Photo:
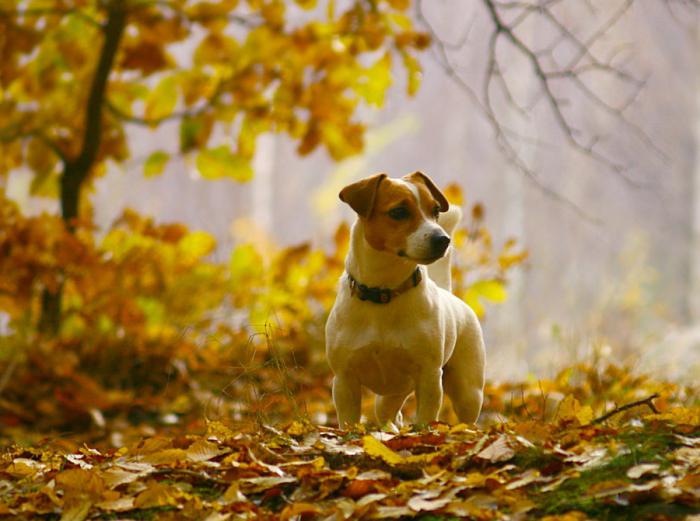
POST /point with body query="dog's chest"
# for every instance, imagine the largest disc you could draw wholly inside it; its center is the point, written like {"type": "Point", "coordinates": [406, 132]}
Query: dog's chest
{"type": "Point", "coordinates": [384, 348]}
{"type": "Point", "coordinates": [385, 368]}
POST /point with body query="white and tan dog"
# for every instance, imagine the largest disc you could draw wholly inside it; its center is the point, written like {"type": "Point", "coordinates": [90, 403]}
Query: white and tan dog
{"type": "Point", "coordinates": [393, 329]}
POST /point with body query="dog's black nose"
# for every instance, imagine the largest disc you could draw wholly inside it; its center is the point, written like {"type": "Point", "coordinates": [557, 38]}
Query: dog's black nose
{"type": "Point", "coordinates": [439, 243]}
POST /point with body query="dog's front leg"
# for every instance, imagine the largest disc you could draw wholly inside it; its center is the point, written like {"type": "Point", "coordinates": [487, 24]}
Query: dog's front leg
{"type": "Point", "coordinates": [428, 396]}
{"type": "Point", "coordinates": [347, 398]}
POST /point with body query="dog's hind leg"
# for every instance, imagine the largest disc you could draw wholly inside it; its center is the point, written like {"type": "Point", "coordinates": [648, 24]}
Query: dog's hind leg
{"type": "Point", "coordinates": [388, 408]}
{"type": "Point", "coordinates": [463, 377]}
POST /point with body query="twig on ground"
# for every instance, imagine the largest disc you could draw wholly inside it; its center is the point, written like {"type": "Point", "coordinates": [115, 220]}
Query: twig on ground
{"type": "Point", "coordinates": [617, 410]}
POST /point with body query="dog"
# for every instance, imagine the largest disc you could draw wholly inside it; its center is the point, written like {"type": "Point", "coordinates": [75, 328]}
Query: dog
{"type": "Point", "coordinates": [395, 326]}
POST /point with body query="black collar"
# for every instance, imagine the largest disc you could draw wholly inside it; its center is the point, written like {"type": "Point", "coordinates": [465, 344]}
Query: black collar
{"type": "Point", "coordinates": [383, 295]}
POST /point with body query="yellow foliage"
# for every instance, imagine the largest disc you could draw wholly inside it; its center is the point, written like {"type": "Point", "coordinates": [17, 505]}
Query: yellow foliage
{"type": "Point", "coordinates": [374, 447]}
{"type": "Point", "coordinates": [305, 79]}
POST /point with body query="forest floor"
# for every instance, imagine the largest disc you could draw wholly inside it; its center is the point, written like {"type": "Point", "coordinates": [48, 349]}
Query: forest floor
{"type": "Point", "coordinates": [601, 445]}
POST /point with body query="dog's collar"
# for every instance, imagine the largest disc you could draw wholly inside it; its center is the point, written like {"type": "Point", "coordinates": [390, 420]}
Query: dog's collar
{"type": "Point", "coordinates": [383, 295]}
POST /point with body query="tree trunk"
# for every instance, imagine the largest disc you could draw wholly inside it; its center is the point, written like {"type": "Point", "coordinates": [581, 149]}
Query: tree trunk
{"type": "Point", "coordinates": [75, 171]}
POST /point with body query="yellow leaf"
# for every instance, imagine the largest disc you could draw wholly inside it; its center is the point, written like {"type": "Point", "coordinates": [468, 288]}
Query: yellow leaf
{"type": "Point", "coordinates": [155, 164]}
{"type": "Point", "coordinates": [161, 101]}
{"type": "Point", "coordinates": [219, 431]}
{"type": "Point", "coordinates": [472, 300]}
{"type": "Point", "coordinates": [215, 163]}
{"type": "Point", "coordinates": [399, 4]}
{"type": "Point", "coordinates": [246, 264]}
{"type": "Point", "coordinates": [77, 512]}
{"type": "Point", "coordinates": [454, 194]}
{"type": "Point", "coordinates": [491, 290]}
{"type": "Point", "coordinates": [414, 73]}
{"type": "Point", "coordinates": [23, 467]}
{"type": "Point", "coordinates": [164, 456]}
{"type": "Point", "coordinates": [45, 185]}
{"type": "Point", "coordinates": [215, 48]}
{"type": "Point", "coordinates": [571, 409]}
{"type": "Point", "coordinates": [374, 447]}
{"type": "Point", "coordinates": [505, 261]}
{"type": "Point", "coordinates": [157, 495]}
{"type": "Point", "coordinates": [196, 245]}
{"type": "Point", "coordinates": [678, 415]}
{"type": "Point", "coordinates": [373, 84]}
{"type": "Point", "coordinates": [306, 4]}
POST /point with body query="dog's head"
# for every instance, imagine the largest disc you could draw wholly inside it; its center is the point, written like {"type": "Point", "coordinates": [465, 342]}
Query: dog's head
{"type": "Point", "coordinates": [400, 216]}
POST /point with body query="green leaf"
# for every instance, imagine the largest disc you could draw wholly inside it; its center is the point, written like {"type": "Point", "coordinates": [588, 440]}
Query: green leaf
{"type": "Point", "coordinates": [155, 164]}
{"type": "Point", "coordinates": [219, 162]}
{"type": "Point", "coordinates": [161, 101]}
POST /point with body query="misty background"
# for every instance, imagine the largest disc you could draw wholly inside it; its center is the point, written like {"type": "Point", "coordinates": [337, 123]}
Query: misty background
{"type": "Point", "coordinates": [614, 266]}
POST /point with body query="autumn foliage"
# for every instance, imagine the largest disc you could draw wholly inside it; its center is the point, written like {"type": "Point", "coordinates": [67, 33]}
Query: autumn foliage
{"type": "Point", "coordinates": [133, 334]}
{"type": "Point", "coordinates": [252, 67]}
{"type": "Point", "coordinates": [560, 463]}
{"type": "Point", "coordinates": [171, 386]}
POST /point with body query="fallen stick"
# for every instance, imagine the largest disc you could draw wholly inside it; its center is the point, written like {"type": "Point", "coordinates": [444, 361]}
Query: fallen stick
{"type": "Point", "coordinates": [646, 401]}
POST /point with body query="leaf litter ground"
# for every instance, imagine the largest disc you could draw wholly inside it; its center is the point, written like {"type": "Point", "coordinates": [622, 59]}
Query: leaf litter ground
{"type": "Point", "coordinates": [634, 463]}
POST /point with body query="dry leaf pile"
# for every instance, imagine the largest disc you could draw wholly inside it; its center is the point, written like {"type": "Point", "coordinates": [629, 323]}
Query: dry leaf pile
{"type": "Point", "coordinates": [570, 469]}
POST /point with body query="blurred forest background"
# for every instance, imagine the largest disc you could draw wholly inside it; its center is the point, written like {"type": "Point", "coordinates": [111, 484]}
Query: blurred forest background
{"type": "Point", "coordinates": [571, 126]}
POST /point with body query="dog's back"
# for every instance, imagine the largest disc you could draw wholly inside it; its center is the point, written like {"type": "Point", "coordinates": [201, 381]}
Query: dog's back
{"type": "Point", "coordinates": [440, 271]}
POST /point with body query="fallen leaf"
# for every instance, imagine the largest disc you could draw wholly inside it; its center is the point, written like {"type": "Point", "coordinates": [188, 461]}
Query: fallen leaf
{"type": "Point", "coordinates": [638, 471]}
{"type": "Point", "coordinates": [255, 485]}
{"type": "Point", "coordinates": [203, 450]}
{"type": "Point", "coordinates": [23, 467]}
{"type": "Point", "coordinates": [374, 447]}
{"type": "Point", "coordinates": [497, 451]}
{"type": "Point", "coordinates": [77, 512]}
{"type": "Point", "coordinates": [428, 502]}
{"type": "Point", "coordinates": [157, 495]}
{"type": "Point", "coordinates": [122, 504]}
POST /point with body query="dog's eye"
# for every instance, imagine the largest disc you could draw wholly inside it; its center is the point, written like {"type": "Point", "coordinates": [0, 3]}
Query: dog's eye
{"type": "Point", "coordinates": [436, 211]}
{"type": "Point", "coordinates": [399, 213]}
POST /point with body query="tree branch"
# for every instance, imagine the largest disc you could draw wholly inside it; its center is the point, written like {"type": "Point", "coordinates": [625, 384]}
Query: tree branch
{"type": "Point", "coordinates": [506, 16]}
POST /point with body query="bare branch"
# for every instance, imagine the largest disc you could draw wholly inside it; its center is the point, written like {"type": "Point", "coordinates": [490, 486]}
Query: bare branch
{"type": "Point", "coordinates": [502, 132]}
{"type": "Point", "coordinates": [506, 16]}
{"type": "Point", "coordinates": [648, 401]}
{"type": "Point", "coordinates": [555, 105]}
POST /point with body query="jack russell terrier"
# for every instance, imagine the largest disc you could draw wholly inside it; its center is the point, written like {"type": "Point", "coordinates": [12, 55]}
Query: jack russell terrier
{"type": "Point", "coordinates": [395, 328]}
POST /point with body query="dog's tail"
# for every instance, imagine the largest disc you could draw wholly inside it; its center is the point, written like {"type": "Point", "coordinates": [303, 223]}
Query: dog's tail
{"type": "Point", "coordinates": [440, 271]}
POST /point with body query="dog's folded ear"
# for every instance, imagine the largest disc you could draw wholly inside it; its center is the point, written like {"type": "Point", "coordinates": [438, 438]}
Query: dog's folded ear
{"type": "Point", "coordinates": [420, 177]}
{"type": "Point", "coordinates": [362, 194]}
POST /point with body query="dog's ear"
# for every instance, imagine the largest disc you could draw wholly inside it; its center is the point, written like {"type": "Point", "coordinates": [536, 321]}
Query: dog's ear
{"type": "Point", "coordinates": [362, 194]}
{"type": "Point", "coordinates": [420, 177]}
